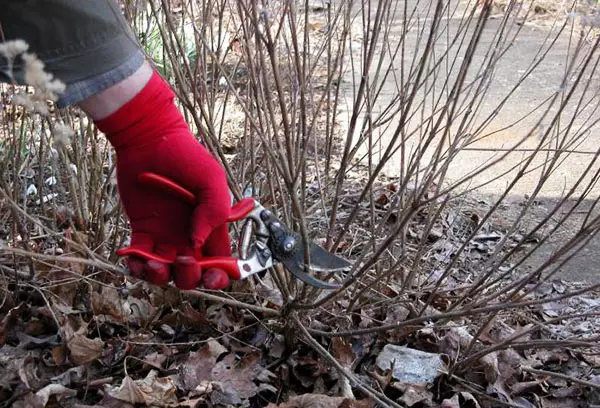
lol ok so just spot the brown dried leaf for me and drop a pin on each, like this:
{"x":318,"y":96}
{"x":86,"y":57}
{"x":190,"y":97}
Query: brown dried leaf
{"x":108,"y":302}
{"x":59,"y":354}
{"x":489,"y":363}
{"x":397,"y":313}
{"x":523,"y":403}
{"x":156,"y":360}
{"x":152,"y":391}
{"x":350,"y":403}
{"x":192,"y":317}
{"x":196,"y":369}
{"x":191,"y":403}
{"x":527,"y":387}
{"x":72,"y":375}
{"x":572,"y":391}
{"x":41,"y":397}
{"x":28,"y":372}
{"x":306,"y":369}
{"x":107,"y":402}
{"x":277,"y":346}
{"x":321,"y":401}
{"x":215,"y":348}
{"x":509,"y":365}
{"x":549,"y":402}
{"x":498,"y":391}
{"x":553,"y":356}
{"x":414,"y":395}
{"x":455,"y":340}
{"x":382,"y":200}
{"x":56,"y":390}
{"x":461,"y":400}
{"x":451,"y":402}
{"x":498,"y":331}
{"x":128,"y":392}
{"x":30,"y":401}
{"x":342,"y":351}
{"x":236,"y":379}
{"x":458,"y":339}
{"x":10,"y":359}
{"x":84,"y":350}
{"x":592,"y":359}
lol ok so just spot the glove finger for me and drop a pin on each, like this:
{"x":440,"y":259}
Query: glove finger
{"x":215,"y":279}
{"x":136,"y":264}
{"x":217,"y":244}
{"x":186,"y":272}
{"x":156,"y":272}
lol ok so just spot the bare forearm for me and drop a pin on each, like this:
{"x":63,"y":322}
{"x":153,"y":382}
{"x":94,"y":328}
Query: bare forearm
{"x":101,"y":105}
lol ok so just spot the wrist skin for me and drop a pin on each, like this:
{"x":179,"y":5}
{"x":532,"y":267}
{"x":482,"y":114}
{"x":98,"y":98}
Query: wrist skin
{"x":112,"y":99}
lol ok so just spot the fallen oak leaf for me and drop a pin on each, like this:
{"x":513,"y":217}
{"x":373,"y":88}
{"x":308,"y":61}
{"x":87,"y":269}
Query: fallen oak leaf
{"x":11,"y":359}
{"x":342,"y":351}
{"x":107,"y":402}
{"x":108,"y":302}
{"x":82,"y":350}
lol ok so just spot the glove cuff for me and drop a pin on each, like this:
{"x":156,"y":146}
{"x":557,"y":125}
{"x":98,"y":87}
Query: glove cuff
{"x":134,"y":123}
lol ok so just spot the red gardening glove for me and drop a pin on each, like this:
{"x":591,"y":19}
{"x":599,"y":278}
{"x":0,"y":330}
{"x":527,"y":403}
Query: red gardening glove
{"x":168,"y":235}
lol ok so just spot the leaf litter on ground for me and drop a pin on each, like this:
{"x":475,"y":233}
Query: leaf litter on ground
{"x":126,"y":344}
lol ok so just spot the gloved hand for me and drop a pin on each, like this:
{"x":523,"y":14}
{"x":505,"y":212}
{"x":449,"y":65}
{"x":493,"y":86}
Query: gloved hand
{"x":168,"y":235}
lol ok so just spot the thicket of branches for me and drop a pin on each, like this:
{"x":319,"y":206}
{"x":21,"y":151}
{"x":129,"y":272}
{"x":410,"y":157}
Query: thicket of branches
{"x":346,"y":118}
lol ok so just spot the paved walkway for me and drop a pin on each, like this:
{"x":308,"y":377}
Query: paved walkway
{"x":529,"y":42}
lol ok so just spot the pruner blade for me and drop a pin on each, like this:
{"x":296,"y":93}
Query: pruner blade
{"x":288,"y":249}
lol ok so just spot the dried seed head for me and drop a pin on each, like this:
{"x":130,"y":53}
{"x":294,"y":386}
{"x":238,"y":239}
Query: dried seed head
{"x":24,"y":100}
{"x":10,"y":49}
{"x":40,"y":79}
{"x":62,"y":134}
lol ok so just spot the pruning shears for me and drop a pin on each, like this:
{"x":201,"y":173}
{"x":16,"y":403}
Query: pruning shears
{"x":264,"y":241}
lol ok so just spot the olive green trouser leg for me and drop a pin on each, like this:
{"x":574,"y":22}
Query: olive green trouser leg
{"x":87,"y":44}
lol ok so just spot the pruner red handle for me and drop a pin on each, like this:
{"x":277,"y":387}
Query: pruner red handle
{"x":238,"y":211}
{"x":227,"y":264}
